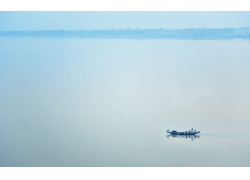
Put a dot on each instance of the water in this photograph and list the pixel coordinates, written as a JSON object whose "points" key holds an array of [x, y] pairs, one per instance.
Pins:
{"points": [[97, 102]]}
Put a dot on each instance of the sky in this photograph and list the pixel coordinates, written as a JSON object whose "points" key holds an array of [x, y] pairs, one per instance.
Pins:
{"points": [[97, 20]]}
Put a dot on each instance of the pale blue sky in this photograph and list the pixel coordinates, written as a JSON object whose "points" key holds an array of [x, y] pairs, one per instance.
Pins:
{"points": [[121, 20]]}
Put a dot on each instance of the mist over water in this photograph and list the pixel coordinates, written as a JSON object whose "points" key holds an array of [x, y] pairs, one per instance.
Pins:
{"points": [[97, 102]]}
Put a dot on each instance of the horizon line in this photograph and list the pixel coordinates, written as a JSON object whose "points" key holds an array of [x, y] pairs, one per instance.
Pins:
{"points": [[129, 29]]}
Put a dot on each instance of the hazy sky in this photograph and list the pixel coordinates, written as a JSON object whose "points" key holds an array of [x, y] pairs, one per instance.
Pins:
{"points": [[121, 20]]}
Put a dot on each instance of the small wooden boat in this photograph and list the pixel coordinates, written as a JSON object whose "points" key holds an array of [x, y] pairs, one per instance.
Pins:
{"points": [[190, 132]]}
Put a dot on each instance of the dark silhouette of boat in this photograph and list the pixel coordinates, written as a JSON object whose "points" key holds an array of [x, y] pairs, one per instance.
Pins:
{"points": [[189, 132]]}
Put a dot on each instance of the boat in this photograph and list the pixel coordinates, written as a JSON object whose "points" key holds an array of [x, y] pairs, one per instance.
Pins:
{"points": [[189, 132]]}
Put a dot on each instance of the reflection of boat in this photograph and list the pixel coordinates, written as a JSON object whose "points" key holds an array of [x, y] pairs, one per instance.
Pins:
{"points": [[192, 137], [190, 132]]}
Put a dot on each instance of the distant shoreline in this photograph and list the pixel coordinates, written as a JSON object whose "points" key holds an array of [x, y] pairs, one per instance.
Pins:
{"points": [[191, 33]]}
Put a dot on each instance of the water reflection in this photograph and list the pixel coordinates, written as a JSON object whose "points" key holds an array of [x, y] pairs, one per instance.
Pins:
{"points": [[192, 137]]}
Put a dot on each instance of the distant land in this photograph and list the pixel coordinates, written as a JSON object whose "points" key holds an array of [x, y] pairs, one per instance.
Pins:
{"points": [[191, 33]]}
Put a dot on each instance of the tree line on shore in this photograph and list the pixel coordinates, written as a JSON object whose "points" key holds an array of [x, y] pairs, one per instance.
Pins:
{"points": [[191, 33]]}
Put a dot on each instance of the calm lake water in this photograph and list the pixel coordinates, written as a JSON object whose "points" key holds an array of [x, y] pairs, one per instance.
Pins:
{"points": [[97, 102]]}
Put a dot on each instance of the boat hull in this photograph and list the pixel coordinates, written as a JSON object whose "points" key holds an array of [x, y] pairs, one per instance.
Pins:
{"points": [[184, 133]]}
